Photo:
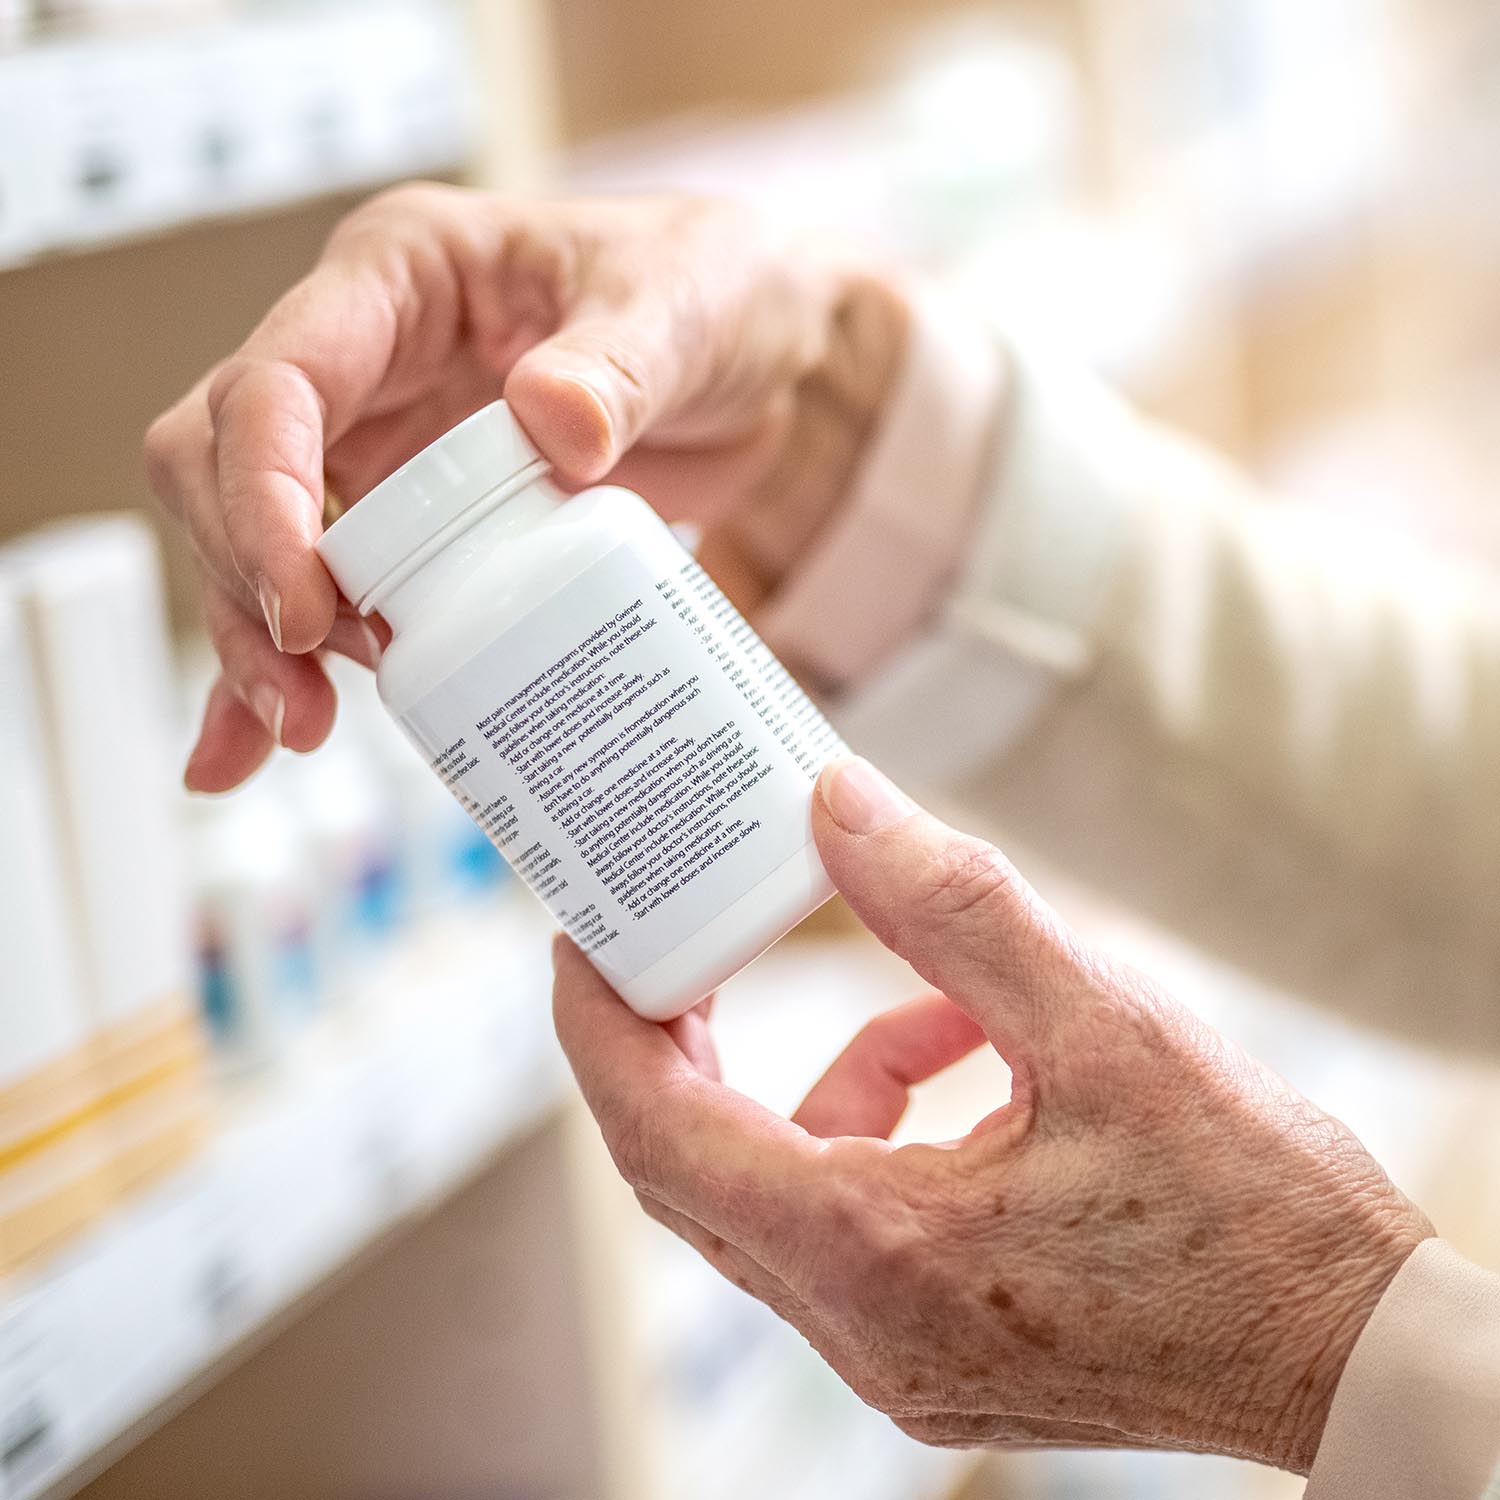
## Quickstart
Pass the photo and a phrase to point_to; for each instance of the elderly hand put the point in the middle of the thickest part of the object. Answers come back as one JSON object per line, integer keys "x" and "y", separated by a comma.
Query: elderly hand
{"x": 1155, "y": 1243}
{"x": 665, "y": 343}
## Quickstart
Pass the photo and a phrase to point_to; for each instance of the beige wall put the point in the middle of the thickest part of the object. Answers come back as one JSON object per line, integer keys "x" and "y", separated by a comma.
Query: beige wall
{"x": 626, "y": 64}
{"x": 92, "y": 346}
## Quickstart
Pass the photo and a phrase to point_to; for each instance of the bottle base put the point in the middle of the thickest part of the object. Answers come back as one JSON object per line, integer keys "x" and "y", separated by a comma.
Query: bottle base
{"x": 741, "y": 932}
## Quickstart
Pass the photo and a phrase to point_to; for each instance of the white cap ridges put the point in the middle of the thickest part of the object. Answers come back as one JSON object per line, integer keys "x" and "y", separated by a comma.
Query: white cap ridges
{"x": 425, "y": 496}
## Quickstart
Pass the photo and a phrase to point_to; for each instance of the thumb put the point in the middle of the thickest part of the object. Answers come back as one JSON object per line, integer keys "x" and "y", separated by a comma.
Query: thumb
{"x": 951, "y": 905}
{"x": 586, "y": 394}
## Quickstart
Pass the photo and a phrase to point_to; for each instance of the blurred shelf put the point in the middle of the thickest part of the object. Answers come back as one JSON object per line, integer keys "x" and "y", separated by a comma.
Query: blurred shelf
{"x": 116, "y": 137}
{"x": 378, "y": 1113}
{"x": 733, "y": 1373}
{"x": 731, "y": 1401}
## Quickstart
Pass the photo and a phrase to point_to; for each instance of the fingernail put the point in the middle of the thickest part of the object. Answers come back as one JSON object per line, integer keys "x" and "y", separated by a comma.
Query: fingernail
{"x": 592, "y": 427}
{"x": 861, "y": 799}
{"x": 269, "y": 706}
{"x": 270, "y": 604}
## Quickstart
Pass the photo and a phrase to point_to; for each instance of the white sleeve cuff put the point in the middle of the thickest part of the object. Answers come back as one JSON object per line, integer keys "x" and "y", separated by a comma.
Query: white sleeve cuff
{"x": 1067, "y": 486}
{"x": 1417, "y": 1412}
{"x": 1021, "y": 619}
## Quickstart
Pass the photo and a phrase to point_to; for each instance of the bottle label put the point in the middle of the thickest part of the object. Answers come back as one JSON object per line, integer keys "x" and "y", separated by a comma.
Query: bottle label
{"x": 634, "y": 750}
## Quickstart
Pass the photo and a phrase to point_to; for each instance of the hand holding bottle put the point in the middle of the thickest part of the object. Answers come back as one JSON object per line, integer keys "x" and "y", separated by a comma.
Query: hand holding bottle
{"x": 1154, "y": 1243}
{"x": 666, "y": 343}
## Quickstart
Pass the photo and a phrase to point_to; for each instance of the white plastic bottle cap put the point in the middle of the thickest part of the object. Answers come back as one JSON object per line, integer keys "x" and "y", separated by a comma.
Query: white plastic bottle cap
{"x": 411, "y": 515}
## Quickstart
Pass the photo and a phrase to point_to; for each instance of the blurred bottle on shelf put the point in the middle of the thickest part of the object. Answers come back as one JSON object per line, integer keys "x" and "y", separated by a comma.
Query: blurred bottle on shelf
{"x": 439, "y": 857}
{"x": 305, "y": 880}
{"x": 260, "y": 968}
{"x": 346, "y": 823}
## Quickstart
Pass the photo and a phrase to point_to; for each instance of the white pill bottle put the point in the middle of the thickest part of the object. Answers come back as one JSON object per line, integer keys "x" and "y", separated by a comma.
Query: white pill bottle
{"x": 601, "y": 710}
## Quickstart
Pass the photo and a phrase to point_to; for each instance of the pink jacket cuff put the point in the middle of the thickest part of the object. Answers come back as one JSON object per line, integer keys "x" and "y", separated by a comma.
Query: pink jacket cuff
{"x": 889, "y": 558}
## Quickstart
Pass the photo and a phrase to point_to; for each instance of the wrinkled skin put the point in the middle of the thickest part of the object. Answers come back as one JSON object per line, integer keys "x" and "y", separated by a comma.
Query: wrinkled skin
{"x": 665, "y": 343}
{"x": 1155, "y": 1243}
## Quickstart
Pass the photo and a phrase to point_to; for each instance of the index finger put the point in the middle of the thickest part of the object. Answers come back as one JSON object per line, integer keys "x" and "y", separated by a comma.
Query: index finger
{"x": 301, "y": 378}
{"x": 700, "y": 1147}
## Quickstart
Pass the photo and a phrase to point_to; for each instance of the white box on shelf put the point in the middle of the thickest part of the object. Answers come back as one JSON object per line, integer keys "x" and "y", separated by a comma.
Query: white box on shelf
{"x": 416, "y": 105}
{"x": 103, "y": 137}
{"x": 24, "y": 153}
{"x": 15, "y": 22}
{"x": 385, "y": 1107}
{"x": 39, "y": 1422}
{"x": 53, "y": 1179}
{"x": 90, "y": 592}
{"x": 98, "y": 133}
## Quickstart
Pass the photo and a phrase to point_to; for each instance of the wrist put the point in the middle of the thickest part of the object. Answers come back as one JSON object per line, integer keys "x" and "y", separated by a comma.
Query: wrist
{"x": 870, "y": 328}
{"x": 849, "y": 390}
{"x": 1316, "y": 1322}
{"x": 836, "y": 409}
{"x": 1343, "y": 1323}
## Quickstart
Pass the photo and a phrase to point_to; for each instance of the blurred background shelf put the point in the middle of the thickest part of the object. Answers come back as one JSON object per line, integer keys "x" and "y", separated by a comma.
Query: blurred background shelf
{"x": 380, "y": 1114}
{"x": 104, "y": 138}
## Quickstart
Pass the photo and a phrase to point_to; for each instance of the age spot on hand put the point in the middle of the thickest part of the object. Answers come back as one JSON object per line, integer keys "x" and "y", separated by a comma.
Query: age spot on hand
{"x": 1041, "y": 1334}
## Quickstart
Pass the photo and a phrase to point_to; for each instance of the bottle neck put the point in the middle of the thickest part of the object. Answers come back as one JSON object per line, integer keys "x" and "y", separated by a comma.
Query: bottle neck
{"x": 439, "y": 575}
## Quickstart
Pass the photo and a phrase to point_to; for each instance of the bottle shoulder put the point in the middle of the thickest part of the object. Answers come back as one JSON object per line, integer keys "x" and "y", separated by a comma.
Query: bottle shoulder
{"x": 493, "y": 582}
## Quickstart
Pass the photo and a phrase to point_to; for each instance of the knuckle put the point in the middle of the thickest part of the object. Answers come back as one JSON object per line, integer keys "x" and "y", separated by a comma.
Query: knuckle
{"x": 846, "y": 1204}
{"x": 874, "y": 1036}
{"x": 875, "y": 1242}
{"x": 635, "y": 1142}
{"x": 406, "y": 201}
{"x": 1128, "y": 1016}
{"x": 246, "y": 371}
{"x": 157, "y": 452}
{"x": 228, "y": 636}
{"x": 625, "y": 1134}
{"x": 968, "y": 878}
{"x": 226, "y": 378}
